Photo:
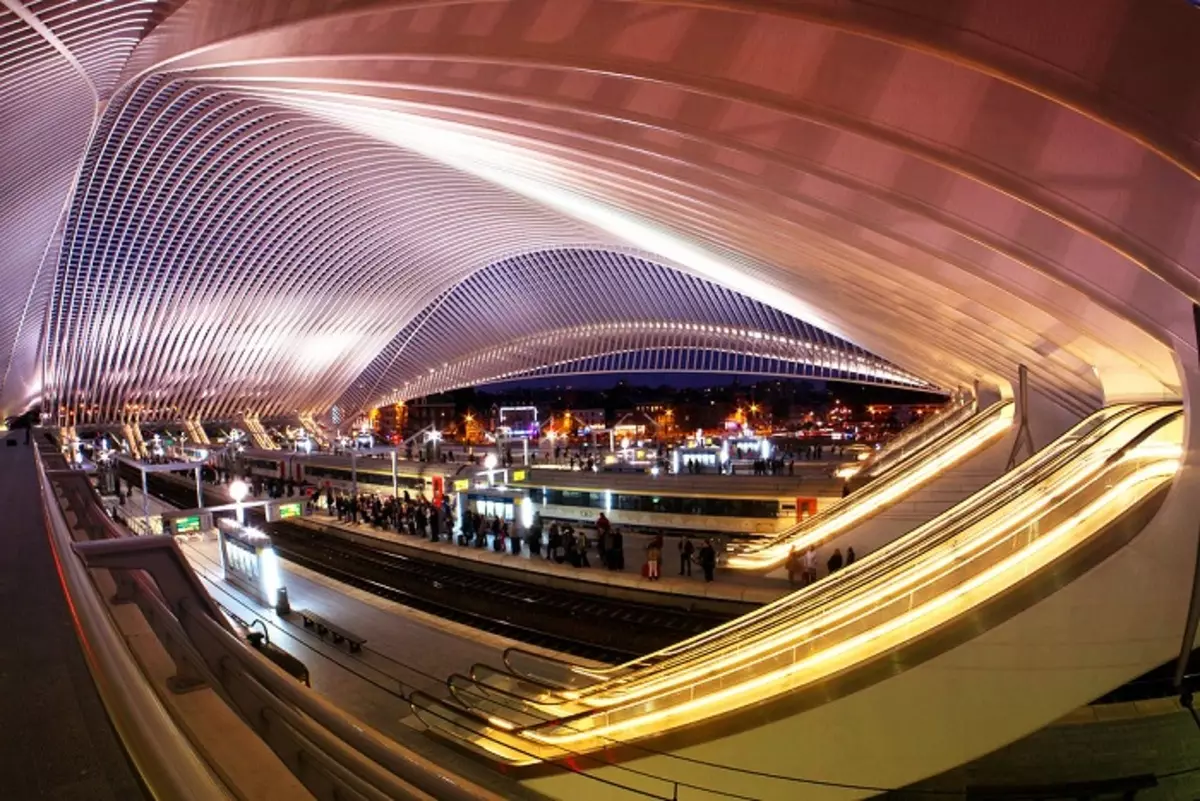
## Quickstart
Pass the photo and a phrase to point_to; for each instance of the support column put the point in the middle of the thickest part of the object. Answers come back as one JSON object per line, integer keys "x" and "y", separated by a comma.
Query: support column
{"x": 145, "y": 504}
{"x": 1023, "y": 436}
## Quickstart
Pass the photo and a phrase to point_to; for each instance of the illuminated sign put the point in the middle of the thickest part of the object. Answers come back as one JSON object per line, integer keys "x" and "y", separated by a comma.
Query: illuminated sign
{"x": 290, "y": 510}
{"x": 462, "y": 484}
{"x": 187, "y": 525}
{"x": 518, "y": 475}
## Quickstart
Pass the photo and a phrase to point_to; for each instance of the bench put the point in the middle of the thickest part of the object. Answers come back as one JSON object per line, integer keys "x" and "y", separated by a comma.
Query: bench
{"x": 313, "y": 620}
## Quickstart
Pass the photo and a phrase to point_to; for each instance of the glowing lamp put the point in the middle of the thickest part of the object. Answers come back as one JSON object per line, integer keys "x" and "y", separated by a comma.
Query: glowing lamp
{"x": 238, "y": 490}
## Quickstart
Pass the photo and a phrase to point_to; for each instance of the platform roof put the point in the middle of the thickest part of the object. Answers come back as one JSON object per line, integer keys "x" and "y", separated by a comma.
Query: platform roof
{"x": 210, "y": 208}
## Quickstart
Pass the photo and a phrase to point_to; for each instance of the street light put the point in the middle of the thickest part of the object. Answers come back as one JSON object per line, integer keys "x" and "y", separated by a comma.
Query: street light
{"x": 238, "y": 490}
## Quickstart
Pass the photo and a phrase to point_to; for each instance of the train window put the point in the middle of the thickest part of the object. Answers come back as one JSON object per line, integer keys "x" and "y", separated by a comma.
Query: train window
{"x": 572, "y": 498}
{"x": 631, "y": 503}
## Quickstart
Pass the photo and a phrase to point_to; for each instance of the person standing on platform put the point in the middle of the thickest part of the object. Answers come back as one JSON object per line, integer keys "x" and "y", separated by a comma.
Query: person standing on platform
{"x": 794, "y": 565}
{"x": 606, "y": 548}
{"x": 835, "y": 562}
{"x": 708, "y": 560}
{"x": 618, "y": 550}
{"x": 581, "y": 546}
{"x": 810, "y": 565}
{"x": 653, "y": 556}
{"x": 686, "y": 550}
{"x": 850, "y": 557}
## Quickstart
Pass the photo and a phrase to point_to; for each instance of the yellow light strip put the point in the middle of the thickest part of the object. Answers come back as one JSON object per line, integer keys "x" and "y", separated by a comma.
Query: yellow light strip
{"x": 927, "y": 570}
{"x": 776, "y": 553}
{"x": 739, "y": 626}
{"x": 1021, "y": 559}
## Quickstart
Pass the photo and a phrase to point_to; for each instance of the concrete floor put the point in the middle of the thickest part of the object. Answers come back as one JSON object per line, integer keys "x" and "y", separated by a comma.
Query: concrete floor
{"x": 56, "y": 741}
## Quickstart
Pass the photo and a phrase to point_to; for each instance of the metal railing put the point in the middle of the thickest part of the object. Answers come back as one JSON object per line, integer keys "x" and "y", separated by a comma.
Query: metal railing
{"x": 162, "y": 754}
{"x": 1105, "y": 473}
{"x": 332, "y": 753}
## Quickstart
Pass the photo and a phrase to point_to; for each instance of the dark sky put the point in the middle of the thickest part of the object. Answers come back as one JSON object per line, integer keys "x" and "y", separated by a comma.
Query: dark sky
{"x": 601, "y": 381}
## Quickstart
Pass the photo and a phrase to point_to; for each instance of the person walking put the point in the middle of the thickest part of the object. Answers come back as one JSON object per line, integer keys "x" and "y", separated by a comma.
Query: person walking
{"x": 653, "y": 555}
{"x": 708, "y": 560}
{"x": 686, "y": 550}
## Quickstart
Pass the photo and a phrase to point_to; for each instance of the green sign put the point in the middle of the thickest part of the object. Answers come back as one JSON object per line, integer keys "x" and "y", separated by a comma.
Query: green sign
{"x": 187, "y": 525}
{"x": 290, "y": 510}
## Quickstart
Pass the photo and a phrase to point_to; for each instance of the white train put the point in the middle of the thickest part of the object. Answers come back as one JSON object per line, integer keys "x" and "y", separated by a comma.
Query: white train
{"x": 734, "y": 506}
{"x": 334, "y": 472}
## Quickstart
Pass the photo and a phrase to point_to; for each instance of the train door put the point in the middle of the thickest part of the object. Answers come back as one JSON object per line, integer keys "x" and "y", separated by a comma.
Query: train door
{"x": 805, "y": 508}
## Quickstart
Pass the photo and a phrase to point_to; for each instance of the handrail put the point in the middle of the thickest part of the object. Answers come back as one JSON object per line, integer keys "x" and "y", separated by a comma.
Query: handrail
{"x": 982, "y": 504}
{"x": 771, "y": 553}
{"x": 1119, "y": 468}
{"x": 916, "y": 437}
{"x": 164, "y": 758}
{"x": 344, "y": 751}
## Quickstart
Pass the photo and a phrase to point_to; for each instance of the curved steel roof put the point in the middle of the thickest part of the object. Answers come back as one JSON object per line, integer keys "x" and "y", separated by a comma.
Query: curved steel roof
{"x": 212, "y": 207}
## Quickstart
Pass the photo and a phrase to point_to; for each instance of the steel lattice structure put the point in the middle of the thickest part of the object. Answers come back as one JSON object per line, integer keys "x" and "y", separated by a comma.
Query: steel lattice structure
{"x": 453, "y": 341}
{"x": 650, "y": 346}
{"x": 211, "y": 209}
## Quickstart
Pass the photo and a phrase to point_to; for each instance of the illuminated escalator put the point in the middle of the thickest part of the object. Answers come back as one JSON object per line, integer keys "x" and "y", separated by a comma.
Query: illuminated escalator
{"x": 914, "y": 471}
{"x": 917, "y": 438}
{"x": 1063, "y": 504}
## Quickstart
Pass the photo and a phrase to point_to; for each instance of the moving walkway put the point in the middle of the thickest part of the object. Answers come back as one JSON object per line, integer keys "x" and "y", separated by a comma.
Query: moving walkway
{"x": 1065, "y": 505}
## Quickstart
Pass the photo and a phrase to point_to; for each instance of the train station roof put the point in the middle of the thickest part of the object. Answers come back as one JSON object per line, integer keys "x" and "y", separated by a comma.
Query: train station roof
{"x": 210, "y": 208}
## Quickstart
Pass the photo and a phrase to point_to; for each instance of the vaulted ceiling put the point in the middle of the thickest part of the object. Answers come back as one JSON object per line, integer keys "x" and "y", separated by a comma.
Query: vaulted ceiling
{"x": 218, "y": 206}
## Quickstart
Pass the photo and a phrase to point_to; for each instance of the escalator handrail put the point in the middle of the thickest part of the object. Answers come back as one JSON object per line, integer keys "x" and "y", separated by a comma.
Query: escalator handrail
{"x": 913, "y": 547}
{"x": 566, "y": 720}
{"x": 977, "y": 422}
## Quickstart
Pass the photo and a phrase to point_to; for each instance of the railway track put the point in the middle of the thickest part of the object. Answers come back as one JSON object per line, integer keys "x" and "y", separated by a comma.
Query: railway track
{"x": 584, "y": 625}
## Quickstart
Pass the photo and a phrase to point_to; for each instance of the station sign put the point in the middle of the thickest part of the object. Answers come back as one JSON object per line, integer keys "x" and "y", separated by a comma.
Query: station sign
{"x": 281, "y": 510}
{"x": 287, "y": 510}
{"x": 187, "y": 525}
{"x": 518, "y": 475}
{"x": 462, "y": 484}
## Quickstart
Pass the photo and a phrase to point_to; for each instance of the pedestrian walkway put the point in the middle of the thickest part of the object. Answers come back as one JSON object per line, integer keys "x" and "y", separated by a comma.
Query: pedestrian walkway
{"x": 733, "y": 587}
{"x": 56, "y": 740}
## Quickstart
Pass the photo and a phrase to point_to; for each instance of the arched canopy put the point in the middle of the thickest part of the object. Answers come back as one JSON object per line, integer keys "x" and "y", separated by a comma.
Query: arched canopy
{"x": 212, "y": 208}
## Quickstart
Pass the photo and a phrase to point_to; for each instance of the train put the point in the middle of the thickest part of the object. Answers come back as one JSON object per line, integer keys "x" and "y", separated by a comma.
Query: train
{"x": 319, "y": 473}
{"x": 742, "y": 507}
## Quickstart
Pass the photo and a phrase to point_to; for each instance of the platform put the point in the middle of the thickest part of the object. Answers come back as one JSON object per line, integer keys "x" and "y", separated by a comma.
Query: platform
{"x": 405, "y": 650}
{"x": 56, "y": 741}
{"x": 732, "y": 588}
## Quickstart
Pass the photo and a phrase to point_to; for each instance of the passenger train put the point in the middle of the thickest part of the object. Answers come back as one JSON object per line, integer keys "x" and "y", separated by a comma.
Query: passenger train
{"x": 334, "y": 472}
{"x": 743, "y": 507}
